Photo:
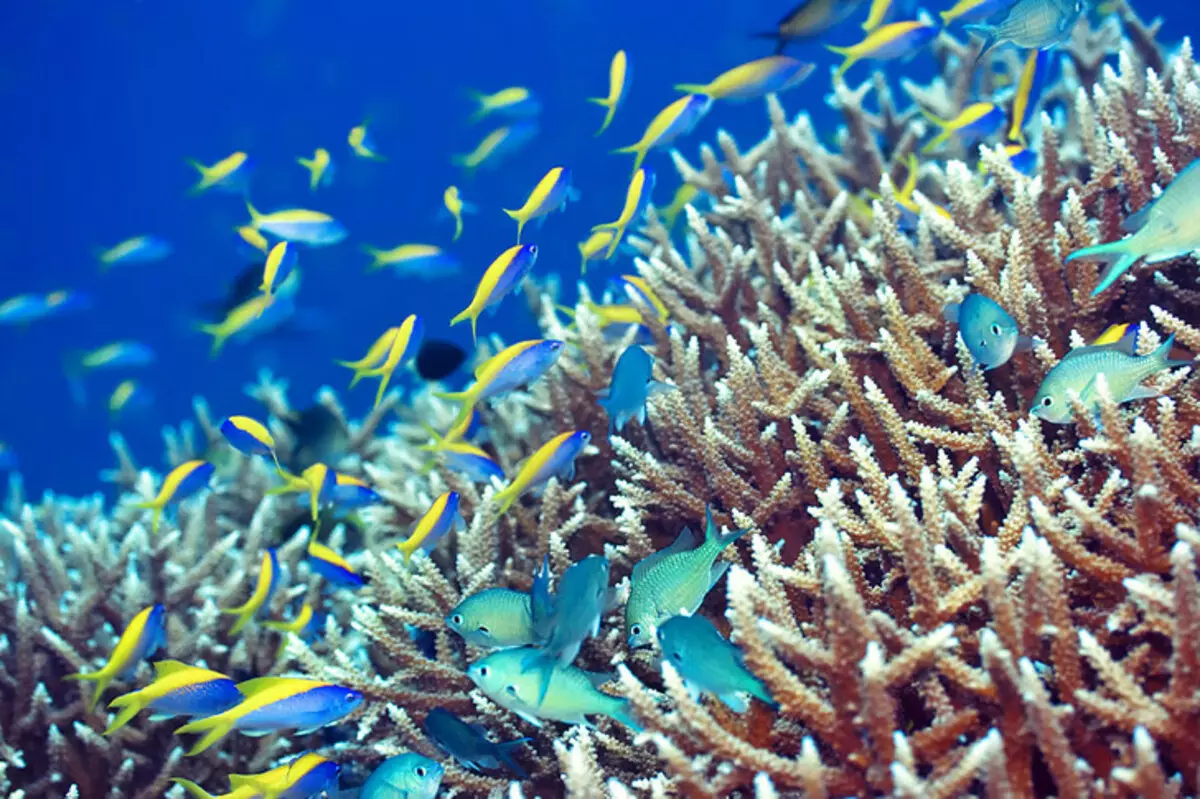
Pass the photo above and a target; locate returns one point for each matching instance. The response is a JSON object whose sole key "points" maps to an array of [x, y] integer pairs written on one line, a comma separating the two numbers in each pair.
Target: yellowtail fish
{"points": [[495, 618], [675, 580], [677, 119], [910, 212], [552, 193], [250, 236], [249, 437], [320, 168], [683, 196], [809, 19], [183, 481], [307, 776], [281, 260], [877, 14], [515, 102], [618, 85], [260, 597], [413, 260], [404, 347], [1167, 228], [276, 703], [178, 690], [504, 275], [708, 662], [235, 322], [1123, 372], [896, 40], [514, 366], [453, 202], [1030, 24], [1028, 93], [594, 248], [461, 456], [136, 250], [433, 525], [146, 633], [753, 79], [639, 292], [351, 493], [973, 122], [230, 174], [637, 197], [973, 10], [117, 355], [129, 395], [328, 563], [361, 143], [299, 625], [317, 481], [1114, 333], [300, 225], [406, 776], [988, 331], [242, 787], [555, 458], [497, 145], [26, 308], [374, 357]]}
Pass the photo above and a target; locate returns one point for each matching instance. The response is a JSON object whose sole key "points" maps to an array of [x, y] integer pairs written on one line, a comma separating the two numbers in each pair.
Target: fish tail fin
{"points": [[383, 384], [483, 107], [985, 32], [1116, 254], [218, 336], [244, 614], [946, 16], [620, 712], [469, 313], [1162, 355], [376, 258], [203, 182], [693, 88], [610, 112], [255, 216], [712, 534], [130, 705], [407, 547], [101, 678], [192, 788], [307, 163], [618, 234], [438, 439], [155, 513], [453, 396], [520, 222], [506, 497], [504, 753], [214, 728]]}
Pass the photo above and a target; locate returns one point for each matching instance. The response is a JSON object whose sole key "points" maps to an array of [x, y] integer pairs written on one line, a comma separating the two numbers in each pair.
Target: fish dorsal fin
{"points": [[259, 684], [1134, 222], [484, 365], [164, 667], [684, 542]]}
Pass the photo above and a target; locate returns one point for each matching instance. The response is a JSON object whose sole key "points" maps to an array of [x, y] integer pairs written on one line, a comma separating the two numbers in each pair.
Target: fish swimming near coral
{"points": [[555, 458], [146, 633], [1030, 24], [514, 366], [328, 563], [441, 517], [186, 479], [461, 456], [552, 193], [260, 597], [677, 119], [974, 122], [249, 437], [503, 276], [494, 618], [178, 690], [1167, 228], [753, 79], [637, 197], [631, 386], [406, 776], [618, 86], [304, 777], [988, 331], [896, 40], [675, 580], [579, 603], [469, 745], [707, 662], [809, 19]]}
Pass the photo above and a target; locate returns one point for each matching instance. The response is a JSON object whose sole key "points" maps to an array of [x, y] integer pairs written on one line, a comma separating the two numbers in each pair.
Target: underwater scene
{"points": [[565, 398]]}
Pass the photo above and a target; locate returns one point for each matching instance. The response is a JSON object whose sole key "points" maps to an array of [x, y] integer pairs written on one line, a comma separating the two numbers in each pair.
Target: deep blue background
{"points": [[104, 99]]}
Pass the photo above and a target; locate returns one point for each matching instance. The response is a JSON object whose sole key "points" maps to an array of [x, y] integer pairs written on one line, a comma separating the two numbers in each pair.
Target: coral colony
{"points": [[944, 594]]}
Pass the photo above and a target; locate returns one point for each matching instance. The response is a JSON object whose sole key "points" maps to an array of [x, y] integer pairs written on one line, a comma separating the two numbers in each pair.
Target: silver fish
{"points": [[1030, 24]]}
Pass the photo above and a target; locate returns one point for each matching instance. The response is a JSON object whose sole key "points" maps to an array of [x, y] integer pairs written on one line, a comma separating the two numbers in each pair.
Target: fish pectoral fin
{"points": [[1141, 392], [1025, 343], [534, 720], [735, 702], [717, 572], [1136, 221]]}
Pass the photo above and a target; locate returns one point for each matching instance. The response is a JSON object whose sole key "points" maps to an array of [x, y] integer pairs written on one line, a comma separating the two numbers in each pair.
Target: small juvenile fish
{"points": [[677, 119], [326, 562], [707, 662], [406, 776], [495, 618], [453, 202], [973, 122], [552, 193], [1167, 228], [146, 633], [300, 225], [230, 174], [468, 743], [504, 275], [1028, 94], [1030, 24], [276, 703], [637, 197], [22, 309], [809, 19], [178, 690], [238, 321], [631, 386], [477, 465], [320, 168], [117, 355], [675, 580], [430, 528], [987, 329], [515, 102], [514, 366], [352, 493], [753, 79], [897, 40], [413, 260], [186, 479], [497, 146], [618, 85], [594, 248], [249, 437], [260, 597], [307, 776], [973, 10], [1123, 372], [129, 395], [578, 606], [137, 250], [572, 694], [361, 143], [554, 458]]}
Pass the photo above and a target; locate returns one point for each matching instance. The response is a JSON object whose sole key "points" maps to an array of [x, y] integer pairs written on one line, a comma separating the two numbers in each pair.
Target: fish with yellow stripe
{"points": [[552, 193], [317, 481], [514, 366], [754, 79], [186, 479], [362, 144], [513, 102], [320, 168], [1028, 94], [637, 197], [260, 597], [618, 86], [555, 458], [976, 121], [441, 517], [177, 690], [328, 563], [464, 457], [230, 174], [895, 40], [808, 19], [504, 275], [497, 146], [145, 635], [677, 119], [404, 346]]}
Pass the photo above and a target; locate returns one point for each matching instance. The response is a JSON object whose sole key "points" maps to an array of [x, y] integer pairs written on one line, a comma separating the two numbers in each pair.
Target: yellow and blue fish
{"points": [[464, 457], [441, 517], [808, 19], [552, 193], [514, 102], [555, 458], [326, 562], [618, 86], [317, 481], [504, 275], [183, 481], [300, 778], [896, 40], [453, 204], [753, 79], [281, 260], [413, 260], [362, 144], [351, 493], [26, 308], [677, 119], [136, 250], [594, 248], [312, 228], [320, 168], [376, 355], [514, 366], [976, 121], [178, 690], [404, 347], [1027, 95], [260, 597], [637, 198], [230, 174], [497, 146], [146, 633], [129, 396]]}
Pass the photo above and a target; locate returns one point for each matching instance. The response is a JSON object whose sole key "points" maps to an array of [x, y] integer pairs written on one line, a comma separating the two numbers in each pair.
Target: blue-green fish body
{"points": [[674, 580], [495, 618], [707, 662], [1167, 228], [578, 606], [988, 331], [1123, 372], [468, 743], [572, 694], [1030, 24], [406, 776], [631, 386]]}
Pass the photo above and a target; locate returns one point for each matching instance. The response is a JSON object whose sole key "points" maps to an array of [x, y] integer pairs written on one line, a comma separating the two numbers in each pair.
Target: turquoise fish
{"points": [[707, 662]]}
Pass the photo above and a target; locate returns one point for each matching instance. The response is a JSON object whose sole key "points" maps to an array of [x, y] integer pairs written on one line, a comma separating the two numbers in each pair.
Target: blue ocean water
{"points": [[104, 101]]}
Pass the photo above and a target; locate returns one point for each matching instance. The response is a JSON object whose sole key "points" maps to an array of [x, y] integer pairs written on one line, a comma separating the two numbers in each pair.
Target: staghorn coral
{"points": [[946, 596]]}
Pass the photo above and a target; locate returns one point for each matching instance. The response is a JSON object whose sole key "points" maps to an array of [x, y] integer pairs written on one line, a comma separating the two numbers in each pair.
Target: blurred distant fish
{"points": [[235, 322], [469, 744], [637, 197], [26, 308], [594, 248], [683, 196], [976, 121], [809, 19], [878, 14], [618, 86], [230, 174], [117, 355], [281, 260], [437, 359], [376, 354], [136, 250], [973, 10], [320, 168], [677, 119], [260, 596], [452, 201], [1028, 94], [753, 79], [65, 301], [504, 275], [897, 40], [319, 435], [497, 145], [515, 102], [1030, 24], [413, 260], [251, 241], [313, 228], [129, 395], [552, 193], [361, 143]]}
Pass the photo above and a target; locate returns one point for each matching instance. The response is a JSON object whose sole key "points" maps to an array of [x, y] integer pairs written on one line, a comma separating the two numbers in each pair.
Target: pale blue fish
{"points": [[137, 250], [572, 695], [495, 618], [1028, 94], [707, 662], [631, 385], [1123, 372], [299, 225], [469, 745], [406, 776], [1030, 24], [988, 331], [26, 308], [578, 606], [497, 146]]}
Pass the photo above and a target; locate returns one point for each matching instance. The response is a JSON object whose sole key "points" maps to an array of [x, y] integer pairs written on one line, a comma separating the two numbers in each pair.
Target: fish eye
{"points": [[587, 437], [635, 629], [456, 618], [1047, 402], [351, 696], [483, 671], [483, 629], [421, 772], [677, 657], [995, 329], [533, 250]]}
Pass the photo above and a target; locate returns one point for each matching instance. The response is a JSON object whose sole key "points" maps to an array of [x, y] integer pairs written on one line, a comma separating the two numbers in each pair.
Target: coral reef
{"points": [[946, 595]]}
